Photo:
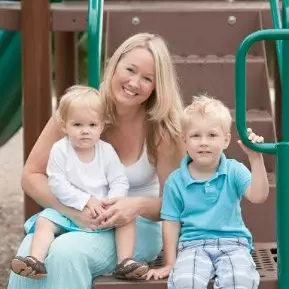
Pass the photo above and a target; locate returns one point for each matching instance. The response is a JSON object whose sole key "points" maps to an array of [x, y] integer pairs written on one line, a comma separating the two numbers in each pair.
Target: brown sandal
{"points": [[130, 269], [28, 267]]}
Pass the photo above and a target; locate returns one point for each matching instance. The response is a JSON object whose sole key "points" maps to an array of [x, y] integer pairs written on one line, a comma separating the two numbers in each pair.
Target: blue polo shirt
{"points": [[207, 209]]}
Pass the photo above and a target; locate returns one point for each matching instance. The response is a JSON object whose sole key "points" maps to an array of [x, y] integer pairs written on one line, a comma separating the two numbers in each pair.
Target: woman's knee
{"points": [[95, 252], [68, 247]]}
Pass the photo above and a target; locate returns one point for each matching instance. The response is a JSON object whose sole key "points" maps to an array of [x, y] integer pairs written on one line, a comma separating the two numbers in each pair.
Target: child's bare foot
{"points": [[28, 267], [130, 269]]}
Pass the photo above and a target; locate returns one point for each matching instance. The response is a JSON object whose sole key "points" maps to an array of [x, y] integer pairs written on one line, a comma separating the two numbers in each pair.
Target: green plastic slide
{"points": [[10, 84]]}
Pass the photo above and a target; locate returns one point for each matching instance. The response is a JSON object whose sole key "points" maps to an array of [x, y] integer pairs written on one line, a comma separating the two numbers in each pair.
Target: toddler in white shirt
{"points": [[82, 171]]}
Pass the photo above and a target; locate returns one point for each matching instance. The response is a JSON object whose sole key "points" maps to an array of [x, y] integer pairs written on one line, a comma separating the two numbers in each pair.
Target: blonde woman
{"points": [[143, 106]]}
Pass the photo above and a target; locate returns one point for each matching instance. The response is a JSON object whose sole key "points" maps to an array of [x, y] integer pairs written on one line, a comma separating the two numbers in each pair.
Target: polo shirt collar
{"points": [[188, 179]]}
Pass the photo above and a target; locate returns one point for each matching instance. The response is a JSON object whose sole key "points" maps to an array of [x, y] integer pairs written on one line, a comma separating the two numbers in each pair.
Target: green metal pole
{"points": [[95, 16], [280, 149], [277, 23], [282, 201], [282, 165]]}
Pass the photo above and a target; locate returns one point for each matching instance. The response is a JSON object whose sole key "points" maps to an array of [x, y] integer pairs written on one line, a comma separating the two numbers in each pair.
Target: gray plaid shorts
{"points": [[227, 261]]}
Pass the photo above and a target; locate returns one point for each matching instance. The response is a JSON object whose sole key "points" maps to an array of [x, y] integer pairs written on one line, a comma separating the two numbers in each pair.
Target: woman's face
{"points": [[134, 79]]}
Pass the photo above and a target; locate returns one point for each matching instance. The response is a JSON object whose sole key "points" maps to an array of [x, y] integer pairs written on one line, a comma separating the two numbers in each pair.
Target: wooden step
{"points": [[191, 31], [216, 76], [72, 16], [265, 258]]}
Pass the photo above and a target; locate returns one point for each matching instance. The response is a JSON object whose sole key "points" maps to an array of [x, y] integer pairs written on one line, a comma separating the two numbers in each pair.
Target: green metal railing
{"points": [[95, 17], [277, 23], [280, 149]]}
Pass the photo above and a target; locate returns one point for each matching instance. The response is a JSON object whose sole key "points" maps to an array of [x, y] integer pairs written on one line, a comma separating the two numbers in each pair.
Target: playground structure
{"points": [[205, 59]]}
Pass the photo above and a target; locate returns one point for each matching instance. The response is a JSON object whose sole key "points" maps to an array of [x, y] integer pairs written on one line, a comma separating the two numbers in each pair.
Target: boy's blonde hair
{"points": [[207, 106], [83, 96], [164, 106]]}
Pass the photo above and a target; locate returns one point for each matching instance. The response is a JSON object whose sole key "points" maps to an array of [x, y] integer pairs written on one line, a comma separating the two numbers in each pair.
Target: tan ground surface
{"points": [[11, 203]]}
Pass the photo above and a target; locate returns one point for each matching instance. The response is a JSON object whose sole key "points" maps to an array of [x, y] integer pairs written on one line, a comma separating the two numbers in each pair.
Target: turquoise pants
{"points": [[76, 258]]}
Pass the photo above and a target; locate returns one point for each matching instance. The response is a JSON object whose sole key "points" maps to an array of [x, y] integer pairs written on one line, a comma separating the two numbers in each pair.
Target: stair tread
{"points": [[164, 6], [254, 115], [264, 257], [208, 59]]}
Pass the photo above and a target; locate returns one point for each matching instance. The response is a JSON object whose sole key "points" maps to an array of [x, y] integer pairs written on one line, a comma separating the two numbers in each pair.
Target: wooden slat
{"points": [[217, 79], [10, 15], [264, 257], [36, 77], [71, 16]]}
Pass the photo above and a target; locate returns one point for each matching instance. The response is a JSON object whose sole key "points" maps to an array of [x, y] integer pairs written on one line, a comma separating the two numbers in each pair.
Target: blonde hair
{"points": [[164, 106], [80, 95], [207, 106]]}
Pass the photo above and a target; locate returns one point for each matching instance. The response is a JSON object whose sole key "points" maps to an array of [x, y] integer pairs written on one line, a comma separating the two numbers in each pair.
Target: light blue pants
{"points": [[76, 258], [227, 261]]}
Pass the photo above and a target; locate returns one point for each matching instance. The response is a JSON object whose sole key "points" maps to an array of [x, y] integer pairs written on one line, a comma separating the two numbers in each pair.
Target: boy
{"points": [[82, 171], [201, 205]]}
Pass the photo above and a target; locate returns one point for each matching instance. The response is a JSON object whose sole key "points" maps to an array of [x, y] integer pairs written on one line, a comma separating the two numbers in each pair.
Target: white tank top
{"points": [[143, 178]]}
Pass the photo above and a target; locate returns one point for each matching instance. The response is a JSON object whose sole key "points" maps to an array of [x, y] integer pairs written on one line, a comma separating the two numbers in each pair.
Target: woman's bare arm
{"points": [[123, 210], [169, 156], [34, 180], [168, 159]]}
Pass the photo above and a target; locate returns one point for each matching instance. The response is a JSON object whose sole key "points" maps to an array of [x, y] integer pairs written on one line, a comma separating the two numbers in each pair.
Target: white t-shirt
{"points": [[73, 182]]}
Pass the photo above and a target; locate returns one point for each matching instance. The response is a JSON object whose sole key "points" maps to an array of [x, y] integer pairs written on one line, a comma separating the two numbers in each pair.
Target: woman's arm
{"points": [[34, 179], [123, 210], [169, 156]]}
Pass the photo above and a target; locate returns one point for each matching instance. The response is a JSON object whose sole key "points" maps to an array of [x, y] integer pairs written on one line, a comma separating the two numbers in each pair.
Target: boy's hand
{"points": [[159, 273], [95, 207], [254, 139]]}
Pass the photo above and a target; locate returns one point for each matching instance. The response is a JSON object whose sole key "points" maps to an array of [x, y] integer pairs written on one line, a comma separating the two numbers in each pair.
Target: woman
{"points": [[143, 106]]}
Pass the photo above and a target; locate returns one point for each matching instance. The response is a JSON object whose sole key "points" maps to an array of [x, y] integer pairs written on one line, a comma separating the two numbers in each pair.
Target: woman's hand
{"points": [[118, 211]]}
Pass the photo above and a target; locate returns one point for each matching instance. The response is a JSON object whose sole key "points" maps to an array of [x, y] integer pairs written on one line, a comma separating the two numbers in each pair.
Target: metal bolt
{"points": [[135, 20], [232, 20]]}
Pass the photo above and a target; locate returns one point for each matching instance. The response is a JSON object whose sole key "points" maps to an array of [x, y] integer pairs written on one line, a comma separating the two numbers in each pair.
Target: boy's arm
{"points": [[171, 231], [258, 191]]}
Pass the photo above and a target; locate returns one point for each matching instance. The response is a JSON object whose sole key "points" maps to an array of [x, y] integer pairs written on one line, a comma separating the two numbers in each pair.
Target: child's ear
{"points": [[227, 140]]}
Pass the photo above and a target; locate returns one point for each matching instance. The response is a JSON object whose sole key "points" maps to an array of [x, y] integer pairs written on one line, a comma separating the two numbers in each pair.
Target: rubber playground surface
{"points": [[11, 203]]}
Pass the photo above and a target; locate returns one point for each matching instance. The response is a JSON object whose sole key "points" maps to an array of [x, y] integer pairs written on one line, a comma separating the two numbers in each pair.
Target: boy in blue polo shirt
{"points": [[201, 205]]}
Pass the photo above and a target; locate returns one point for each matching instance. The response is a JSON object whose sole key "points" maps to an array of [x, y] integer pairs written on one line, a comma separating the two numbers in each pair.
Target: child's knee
{"points": [[240, 279], [187, 281], [43, 224]]}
